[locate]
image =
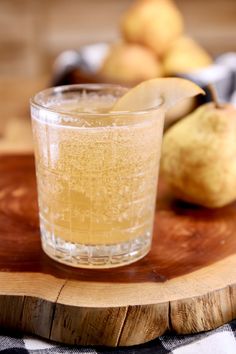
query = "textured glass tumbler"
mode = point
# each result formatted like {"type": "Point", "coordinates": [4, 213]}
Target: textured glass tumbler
{"type": "Point", "coordinates": [96, 175]}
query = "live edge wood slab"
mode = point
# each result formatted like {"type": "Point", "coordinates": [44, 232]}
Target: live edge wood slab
{"type": "Point", "coordinates": [187, 283]}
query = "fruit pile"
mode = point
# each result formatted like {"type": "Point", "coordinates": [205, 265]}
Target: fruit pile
{"type": "Point", "coordinates": [153, 45]}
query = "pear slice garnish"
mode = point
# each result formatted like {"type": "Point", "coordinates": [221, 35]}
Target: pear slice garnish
{"type": "Point", "coordinates": [155, 92]}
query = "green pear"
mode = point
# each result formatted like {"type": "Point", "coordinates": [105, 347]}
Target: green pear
{"type": "Point", "coordinates": [199, 156]}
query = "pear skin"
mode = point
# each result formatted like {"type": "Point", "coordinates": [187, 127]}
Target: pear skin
{"type": "Point", "coordinates": [130, 63]}
{"type": "Point", "coordinates": [152, 23]}
{"type": "Point", "coordinates": [185, 56]}
{"type": "Point", "coordinates": [199, 156]}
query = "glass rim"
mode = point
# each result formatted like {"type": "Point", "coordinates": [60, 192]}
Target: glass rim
{"type": "Point", "coordinates": [98, 86]}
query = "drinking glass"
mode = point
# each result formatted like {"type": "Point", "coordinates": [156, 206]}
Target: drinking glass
{"type": "Point", "coordinates": [96, 173]}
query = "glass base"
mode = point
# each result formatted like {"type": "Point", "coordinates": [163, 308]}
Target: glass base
{"type": "Point", "coordinates": [89, 256]}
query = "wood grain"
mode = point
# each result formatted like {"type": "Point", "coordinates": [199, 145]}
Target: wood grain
{"type": "Point", "coordinates": [201, 314]}
{"type": "Point", "coordinates": [187, 283]}
{"type": "Point", "coordinates": [89, 326]}
{"type": "Point", "coordinates": [150, 320]}
{"type": "Point", "coordinates": [37, 315]}
{"type": "Point", "coordinates": [186, 238]}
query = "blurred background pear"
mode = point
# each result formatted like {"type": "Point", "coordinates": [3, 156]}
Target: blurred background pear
{"type": "Point", "coordinates": [153, 23]}
{"type": "Point", "coordinates": [130, 63]}
{"type": "Point", "coordinates": [184, 56]}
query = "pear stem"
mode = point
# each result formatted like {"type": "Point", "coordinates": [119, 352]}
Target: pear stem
{"type": "Point", "coordinates": [214, 96]}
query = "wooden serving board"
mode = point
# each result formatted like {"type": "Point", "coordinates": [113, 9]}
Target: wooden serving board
{"type": "Point", "coordinates": [187, 283]}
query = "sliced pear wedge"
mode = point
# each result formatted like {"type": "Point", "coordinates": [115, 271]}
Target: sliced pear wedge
{"type": "Point", "coordinates": [152, 93]}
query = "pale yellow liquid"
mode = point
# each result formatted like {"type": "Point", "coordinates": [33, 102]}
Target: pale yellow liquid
{"type": "Point", "coordinates": [97, 184]}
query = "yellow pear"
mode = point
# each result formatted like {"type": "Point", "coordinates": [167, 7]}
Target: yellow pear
{"type": "Point", "coordinates": [184, 56]}
{"type": "Point", "coordinates": [153, 23]}
{"type": "Point", "coordinates": [130, 63]}
{"type": "Point", "coordinates": [199, 156]}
